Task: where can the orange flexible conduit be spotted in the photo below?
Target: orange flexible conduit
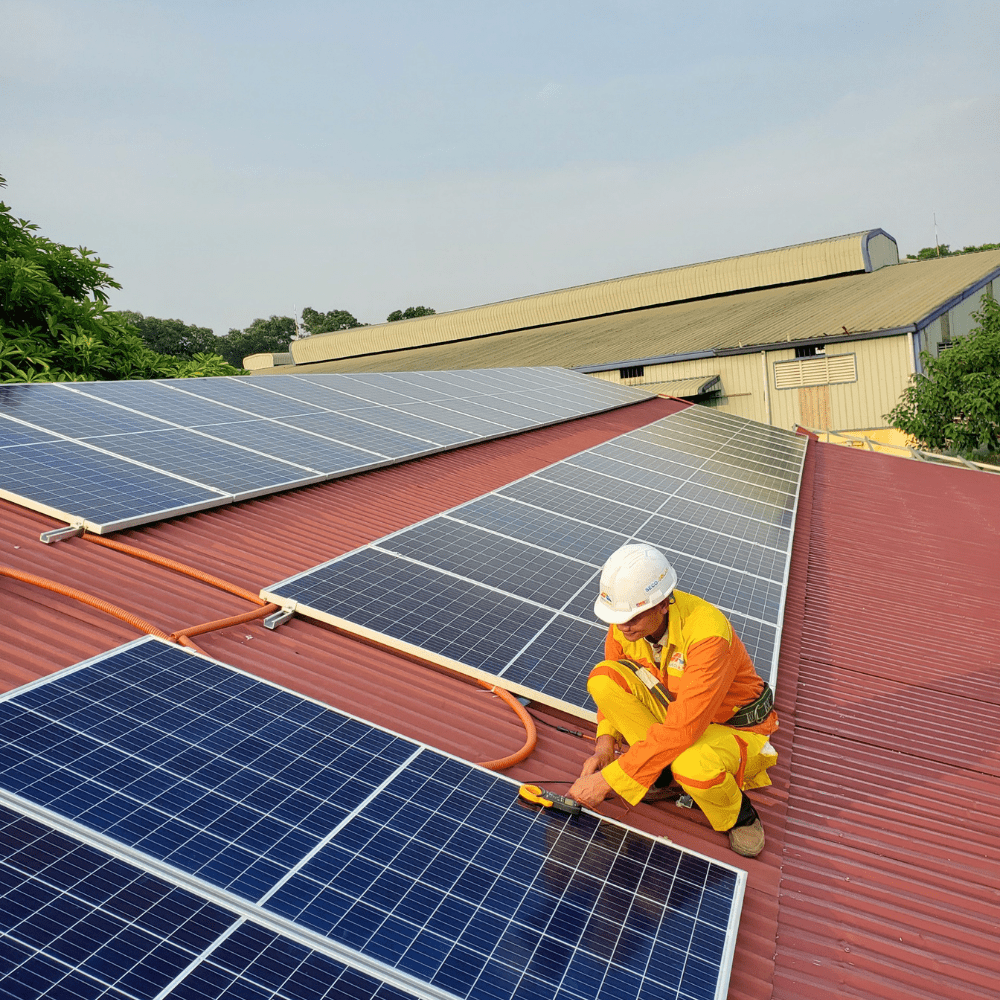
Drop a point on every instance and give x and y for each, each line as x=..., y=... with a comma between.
x=182, y=636
x=78, y=595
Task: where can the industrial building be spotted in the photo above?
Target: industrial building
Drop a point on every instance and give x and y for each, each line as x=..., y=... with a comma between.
x=823, y=335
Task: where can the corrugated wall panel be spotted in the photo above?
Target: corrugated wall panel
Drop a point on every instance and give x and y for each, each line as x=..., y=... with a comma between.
x=891, y=871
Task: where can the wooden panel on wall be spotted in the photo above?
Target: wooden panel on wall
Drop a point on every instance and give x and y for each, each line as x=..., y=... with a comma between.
x=814, y=406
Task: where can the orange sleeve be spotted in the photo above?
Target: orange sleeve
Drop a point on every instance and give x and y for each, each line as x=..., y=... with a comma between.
x=613, y=649
x=708, y=676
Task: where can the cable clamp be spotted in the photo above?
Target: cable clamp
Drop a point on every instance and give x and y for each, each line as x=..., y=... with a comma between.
x=272, y=621
x=58, y=534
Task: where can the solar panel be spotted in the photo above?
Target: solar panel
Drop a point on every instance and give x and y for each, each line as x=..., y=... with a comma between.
x=380, y=865
x=179, y=445
x=504, y=585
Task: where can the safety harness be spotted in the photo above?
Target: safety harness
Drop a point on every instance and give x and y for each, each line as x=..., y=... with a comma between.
x=749, y=715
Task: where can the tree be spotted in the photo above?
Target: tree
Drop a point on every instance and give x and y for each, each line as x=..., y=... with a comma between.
x=955, y=405
x=943, y=251
x=262, y=336
x=411, y=312
x=173, y=336
x=55, y=324
x=328, y=322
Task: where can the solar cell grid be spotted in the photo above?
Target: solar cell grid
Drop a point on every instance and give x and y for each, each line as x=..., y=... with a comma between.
x=663, y=531
x=361, y=433
x=472, y=418
x=440, y=873
x=406, y=422
x=243, y=394
x=728, y=588
x=73, y=415
x=627, y=474
x=156, y=399
x=77, y=922
x=14, y=434
x=654, y=458
x=235, y=470
x=550, y=530
x=737, y=505
x=754, y=472
x=600, y=485
x=486, y=900
x=103, y=488
x=495, y=560
x=577, y=504
x=269, y=437
x=742, y=488
x=210, y=773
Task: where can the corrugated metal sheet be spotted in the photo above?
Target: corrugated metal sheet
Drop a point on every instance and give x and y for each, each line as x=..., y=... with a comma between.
x=887, y=299
x=881, y=877
x=804, y=262
x=891, y=873
x=684, y=387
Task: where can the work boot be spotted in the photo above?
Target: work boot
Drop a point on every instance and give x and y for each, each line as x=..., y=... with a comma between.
x=664, y=789
x=746, y=836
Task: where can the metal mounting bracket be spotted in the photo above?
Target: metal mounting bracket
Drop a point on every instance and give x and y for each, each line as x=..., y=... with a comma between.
x=272, y=621
x=58, y=534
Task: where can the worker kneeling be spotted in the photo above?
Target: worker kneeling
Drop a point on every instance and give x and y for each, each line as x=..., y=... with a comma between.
x=680, y=688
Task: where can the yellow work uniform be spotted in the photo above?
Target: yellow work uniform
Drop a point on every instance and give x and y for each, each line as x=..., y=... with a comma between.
x=709, y=676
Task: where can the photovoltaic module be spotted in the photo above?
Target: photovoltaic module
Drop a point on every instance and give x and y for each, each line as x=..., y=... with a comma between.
x=503, y=586
x=112, y=455
x=172, y=827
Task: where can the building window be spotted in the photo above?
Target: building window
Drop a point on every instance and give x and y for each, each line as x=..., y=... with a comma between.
x=819, y=370
x=809, y=352
x=633, y=371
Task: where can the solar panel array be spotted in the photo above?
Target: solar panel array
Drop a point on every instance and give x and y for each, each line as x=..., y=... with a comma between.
x=505, y=585
x=117, y=454
x=171, y=827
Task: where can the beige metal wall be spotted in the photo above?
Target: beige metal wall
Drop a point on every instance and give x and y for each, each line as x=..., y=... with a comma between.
x=960, y=320
x=883, y=367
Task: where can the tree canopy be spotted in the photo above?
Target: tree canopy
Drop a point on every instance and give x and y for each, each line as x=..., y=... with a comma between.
x=954, y=406
x=410, y=312
x=173, y=336
x=262, y=336
x=943, y=250
x=55, y=324
x=328, y=322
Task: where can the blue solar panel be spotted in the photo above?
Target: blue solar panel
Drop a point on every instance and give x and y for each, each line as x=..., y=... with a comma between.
x=436, y=873
x=543, y=539
x=79, y=923
x=302, y=427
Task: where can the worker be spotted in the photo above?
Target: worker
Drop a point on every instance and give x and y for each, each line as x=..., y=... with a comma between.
x=678, y=686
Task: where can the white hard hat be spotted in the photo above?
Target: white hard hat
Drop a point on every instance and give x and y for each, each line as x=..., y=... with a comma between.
x=634, y=579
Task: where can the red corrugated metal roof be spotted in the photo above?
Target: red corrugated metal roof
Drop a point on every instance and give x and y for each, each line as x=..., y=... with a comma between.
x=881, y=816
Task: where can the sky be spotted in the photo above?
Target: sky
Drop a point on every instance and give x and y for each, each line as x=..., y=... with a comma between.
x=234, y=160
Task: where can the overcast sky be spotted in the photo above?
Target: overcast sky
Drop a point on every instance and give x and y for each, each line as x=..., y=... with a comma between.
x=240, y=159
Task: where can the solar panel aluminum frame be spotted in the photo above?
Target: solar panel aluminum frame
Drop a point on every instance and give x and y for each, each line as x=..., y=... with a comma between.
x=284, y=926
x=379, y=639
x=119, y=524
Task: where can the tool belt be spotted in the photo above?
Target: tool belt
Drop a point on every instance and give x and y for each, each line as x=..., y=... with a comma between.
x=749, y=715
x=757, y=711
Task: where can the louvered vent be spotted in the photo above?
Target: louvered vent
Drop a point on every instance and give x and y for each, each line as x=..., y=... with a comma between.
x=815, y=371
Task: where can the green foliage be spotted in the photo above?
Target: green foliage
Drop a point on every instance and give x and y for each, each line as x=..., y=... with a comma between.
x=943, y=251
x=955, y=405
x=411, y=312
x=55, y=324
x=328, y=322
x=262, y=336
x=172, y=336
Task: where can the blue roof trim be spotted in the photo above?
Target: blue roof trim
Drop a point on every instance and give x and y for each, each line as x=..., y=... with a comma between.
x=956, y=299
x=870, y=235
